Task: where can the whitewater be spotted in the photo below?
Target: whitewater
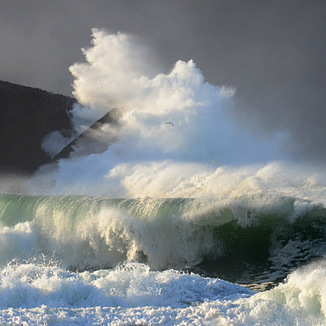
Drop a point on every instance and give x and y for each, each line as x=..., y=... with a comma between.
x=186, y=217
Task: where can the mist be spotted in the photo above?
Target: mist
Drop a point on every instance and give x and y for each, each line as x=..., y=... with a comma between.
x=272, y=53
x=175, y=131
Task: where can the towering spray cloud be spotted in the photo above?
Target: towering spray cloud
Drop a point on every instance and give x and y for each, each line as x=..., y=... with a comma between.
x=120, y=73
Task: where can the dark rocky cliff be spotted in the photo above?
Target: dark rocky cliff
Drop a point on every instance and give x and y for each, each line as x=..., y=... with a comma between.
x=27, y=115
x=90, y=141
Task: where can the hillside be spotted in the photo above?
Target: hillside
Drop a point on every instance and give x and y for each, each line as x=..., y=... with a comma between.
x=27, y=115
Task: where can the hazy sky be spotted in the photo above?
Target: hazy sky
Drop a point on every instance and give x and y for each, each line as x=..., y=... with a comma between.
x=273, y=52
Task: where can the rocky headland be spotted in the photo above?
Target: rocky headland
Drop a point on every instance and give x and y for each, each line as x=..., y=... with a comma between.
x=27, y=115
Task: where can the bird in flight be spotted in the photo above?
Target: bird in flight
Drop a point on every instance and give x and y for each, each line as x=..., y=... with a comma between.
x=169, y=123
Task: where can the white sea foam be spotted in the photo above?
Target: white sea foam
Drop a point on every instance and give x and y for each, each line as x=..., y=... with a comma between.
x=300, y=300
x=132, y=294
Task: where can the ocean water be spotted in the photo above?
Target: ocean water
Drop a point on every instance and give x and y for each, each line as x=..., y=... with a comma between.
x=88, y=260
x=199, y=222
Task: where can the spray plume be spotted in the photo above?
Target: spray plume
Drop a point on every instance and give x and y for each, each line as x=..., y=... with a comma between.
x=151, y=156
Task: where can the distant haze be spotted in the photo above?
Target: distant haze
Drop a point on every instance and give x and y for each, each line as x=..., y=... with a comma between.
x=272, y=52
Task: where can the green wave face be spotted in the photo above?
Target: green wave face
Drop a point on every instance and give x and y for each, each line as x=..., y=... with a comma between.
x=238, y=240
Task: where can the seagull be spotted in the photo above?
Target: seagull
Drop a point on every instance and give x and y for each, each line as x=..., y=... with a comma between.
x=169, y=123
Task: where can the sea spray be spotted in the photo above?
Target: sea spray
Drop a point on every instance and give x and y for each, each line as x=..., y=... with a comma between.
x=201, y=135
x=183, y=186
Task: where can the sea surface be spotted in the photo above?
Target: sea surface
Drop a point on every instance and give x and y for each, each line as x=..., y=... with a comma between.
x=187, y=216
x=80, y=260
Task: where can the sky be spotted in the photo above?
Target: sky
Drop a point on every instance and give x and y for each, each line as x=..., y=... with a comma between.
x=272, y=52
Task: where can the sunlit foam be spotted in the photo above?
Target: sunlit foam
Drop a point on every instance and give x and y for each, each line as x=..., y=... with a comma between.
x=174, y=119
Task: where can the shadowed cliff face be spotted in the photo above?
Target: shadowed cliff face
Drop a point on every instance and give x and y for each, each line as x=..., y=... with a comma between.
x=92, y=140
x=27, y=115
